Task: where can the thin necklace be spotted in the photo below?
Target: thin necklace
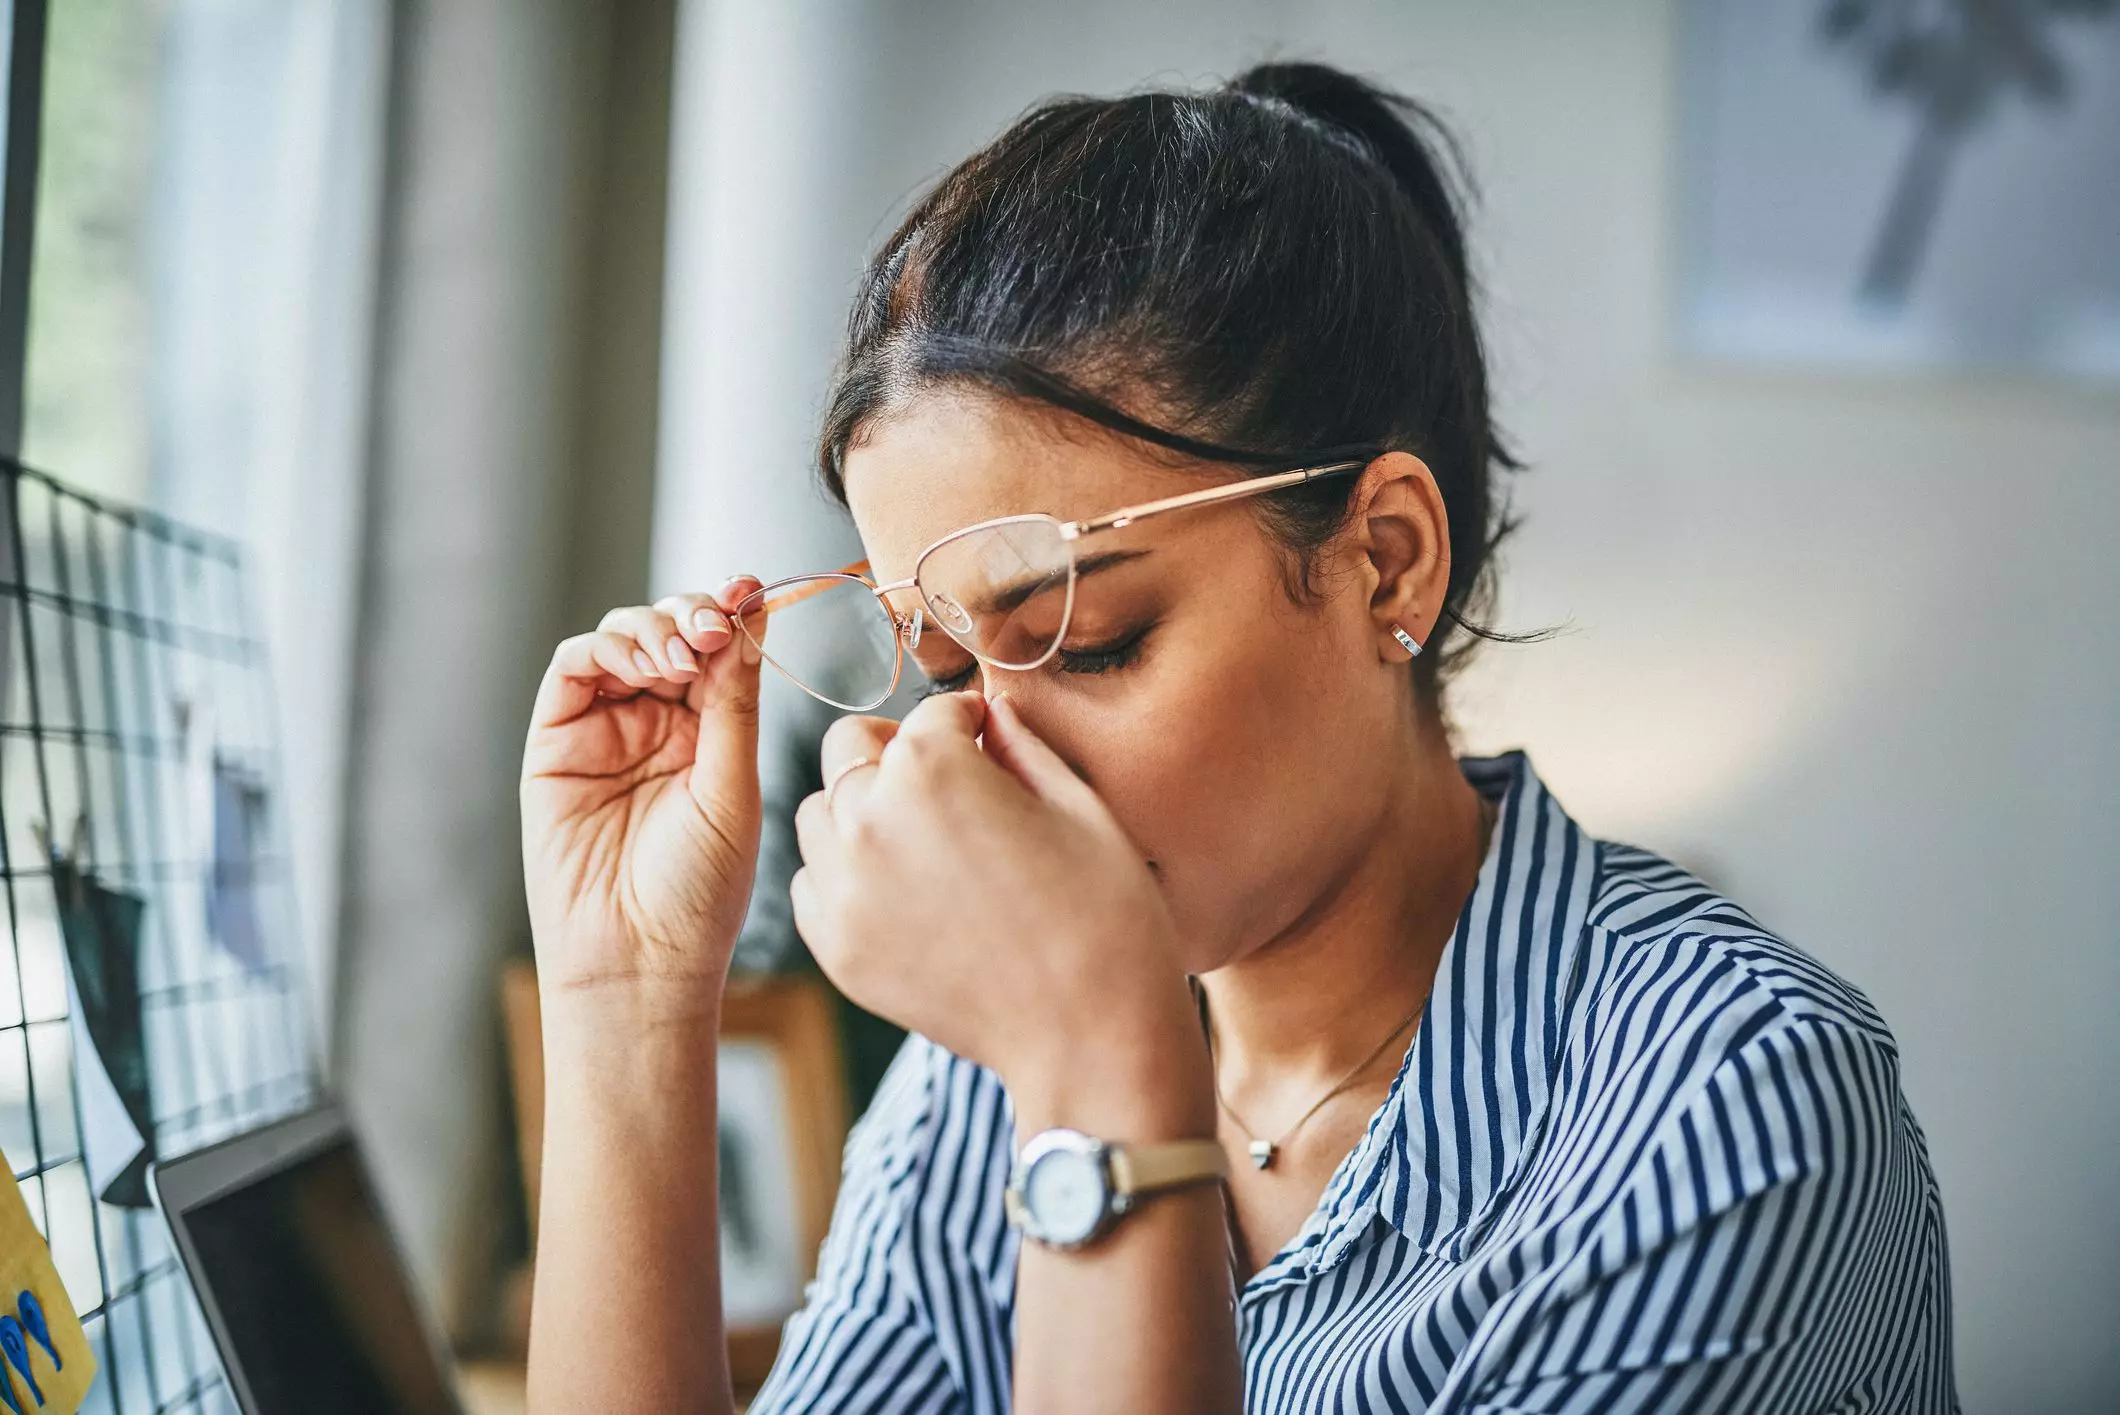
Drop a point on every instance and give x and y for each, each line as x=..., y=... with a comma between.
x=1263, y=1152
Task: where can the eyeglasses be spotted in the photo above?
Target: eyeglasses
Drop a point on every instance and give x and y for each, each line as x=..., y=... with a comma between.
x=1003, y=590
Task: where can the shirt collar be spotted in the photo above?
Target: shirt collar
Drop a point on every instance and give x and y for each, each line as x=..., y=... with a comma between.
x=1471, y=1093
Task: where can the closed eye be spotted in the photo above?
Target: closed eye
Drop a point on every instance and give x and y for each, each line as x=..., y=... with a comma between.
x=1103, y=658
x=953, y=683
x=1098, y=658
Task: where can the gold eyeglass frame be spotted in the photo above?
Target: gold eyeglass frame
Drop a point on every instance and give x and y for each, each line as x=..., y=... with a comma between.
x=906, y=628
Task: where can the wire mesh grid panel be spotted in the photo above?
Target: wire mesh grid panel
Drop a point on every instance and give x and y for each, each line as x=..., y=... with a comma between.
x=138, y=766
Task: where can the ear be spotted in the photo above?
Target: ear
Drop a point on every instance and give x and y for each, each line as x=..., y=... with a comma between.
x=1402, y=538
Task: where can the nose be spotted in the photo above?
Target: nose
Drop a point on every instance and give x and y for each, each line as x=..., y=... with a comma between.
x=1052, y=722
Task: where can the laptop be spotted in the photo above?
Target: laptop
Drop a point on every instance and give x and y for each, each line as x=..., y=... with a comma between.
x=304, y=1289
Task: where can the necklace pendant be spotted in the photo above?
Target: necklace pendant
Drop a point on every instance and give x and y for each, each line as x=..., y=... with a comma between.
x=1262, y=1152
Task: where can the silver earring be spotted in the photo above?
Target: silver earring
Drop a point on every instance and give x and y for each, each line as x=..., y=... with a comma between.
x=1406, y=641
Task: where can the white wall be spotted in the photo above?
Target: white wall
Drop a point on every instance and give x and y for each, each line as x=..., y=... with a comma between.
x=1846, y=646
x=270, y=144
x=467, y=557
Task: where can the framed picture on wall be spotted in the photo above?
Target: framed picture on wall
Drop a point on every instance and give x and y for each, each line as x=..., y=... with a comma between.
x=1902, y=183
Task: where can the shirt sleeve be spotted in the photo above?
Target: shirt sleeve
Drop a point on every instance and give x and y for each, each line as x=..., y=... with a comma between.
x=1758, y=1256
x=864, y=1341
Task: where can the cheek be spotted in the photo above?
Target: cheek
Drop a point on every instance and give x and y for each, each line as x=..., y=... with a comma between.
x=1235, y=771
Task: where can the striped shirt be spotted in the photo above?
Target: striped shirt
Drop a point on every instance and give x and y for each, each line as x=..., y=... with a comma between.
x=1641, y=1155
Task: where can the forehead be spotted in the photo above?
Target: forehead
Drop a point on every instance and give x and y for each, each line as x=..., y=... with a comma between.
x=948, y=460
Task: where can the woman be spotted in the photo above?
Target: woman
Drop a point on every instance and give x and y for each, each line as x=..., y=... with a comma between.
x=1177, y=850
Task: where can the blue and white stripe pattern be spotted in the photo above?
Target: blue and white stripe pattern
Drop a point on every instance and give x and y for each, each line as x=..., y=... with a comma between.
x=1641, y=1156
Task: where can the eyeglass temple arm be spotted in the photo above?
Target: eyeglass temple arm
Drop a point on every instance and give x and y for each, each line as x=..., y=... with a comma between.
x=1206, y=496
x=1125, y=515
x=811, y=587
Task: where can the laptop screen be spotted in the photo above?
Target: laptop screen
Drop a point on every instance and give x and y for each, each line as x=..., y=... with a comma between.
x=311, y=1293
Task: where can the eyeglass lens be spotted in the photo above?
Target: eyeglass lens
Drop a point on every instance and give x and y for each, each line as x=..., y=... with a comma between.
x=1003, y=591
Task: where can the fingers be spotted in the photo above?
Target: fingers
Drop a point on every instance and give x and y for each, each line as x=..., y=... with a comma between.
x=698, y=619
x=945, y=722
x=727, y=699
x=815, y=834
x=705, y=620
x=935, y=731
x=751, y=630
x=802, y=897
x=584, y=666
x=661, y=648
x=665, y=649
x=848, y=740
x=811, y=914
x=1025, y=755
x=678, y=631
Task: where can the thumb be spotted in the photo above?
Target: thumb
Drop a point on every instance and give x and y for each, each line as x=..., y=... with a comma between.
x=725, y=758
x=1025, y=756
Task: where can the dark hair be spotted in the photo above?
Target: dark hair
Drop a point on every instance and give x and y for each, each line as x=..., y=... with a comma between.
x=1267, y=274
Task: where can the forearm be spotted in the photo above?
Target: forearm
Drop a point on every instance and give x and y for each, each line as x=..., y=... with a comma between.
x=626, y=1309
x=1143, y=1318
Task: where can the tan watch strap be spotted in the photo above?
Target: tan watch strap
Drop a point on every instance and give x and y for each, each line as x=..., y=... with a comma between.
x=1145, y=1169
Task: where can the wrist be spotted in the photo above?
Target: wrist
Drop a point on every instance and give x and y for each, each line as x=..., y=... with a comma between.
x=1146, y=1082
x=649, y=998
x=629, y=1040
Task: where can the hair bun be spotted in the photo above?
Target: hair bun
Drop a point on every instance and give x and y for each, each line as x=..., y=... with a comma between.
x=1404, y=137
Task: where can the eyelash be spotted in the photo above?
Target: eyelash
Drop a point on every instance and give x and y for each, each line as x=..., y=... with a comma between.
x=1105, y=658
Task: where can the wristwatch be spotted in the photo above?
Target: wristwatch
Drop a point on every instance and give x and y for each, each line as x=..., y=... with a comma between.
x=1067, y=1188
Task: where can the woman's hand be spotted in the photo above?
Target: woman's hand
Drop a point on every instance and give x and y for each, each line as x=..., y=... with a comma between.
x=988, y=900
x=640, y=798
x=640, y=840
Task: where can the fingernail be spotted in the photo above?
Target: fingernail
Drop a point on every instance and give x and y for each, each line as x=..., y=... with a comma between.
x=706, y=621
x=679, y=653
x=641, y=661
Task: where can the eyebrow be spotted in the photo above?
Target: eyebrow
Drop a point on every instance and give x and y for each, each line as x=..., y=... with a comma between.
x=1012, y=596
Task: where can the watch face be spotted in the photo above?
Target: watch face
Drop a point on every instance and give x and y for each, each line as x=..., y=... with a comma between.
x=1065, y=1194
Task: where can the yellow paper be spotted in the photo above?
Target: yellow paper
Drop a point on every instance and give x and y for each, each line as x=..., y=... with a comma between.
x=26, y=1266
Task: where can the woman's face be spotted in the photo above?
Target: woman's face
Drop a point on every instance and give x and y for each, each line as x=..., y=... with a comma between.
x=1240, y=738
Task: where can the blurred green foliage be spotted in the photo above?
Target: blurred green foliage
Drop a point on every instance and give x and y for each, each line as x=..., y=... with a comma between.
x=85, y=410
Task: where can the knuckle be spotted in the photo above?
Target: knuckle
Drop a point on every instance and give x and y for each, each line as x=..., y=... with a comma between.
x=618, y=646
x=741, y=707
x=919, y=748
x=809, y=817
x=859, y=825
x=802, y=905
x=641, y=624
x=843, y=733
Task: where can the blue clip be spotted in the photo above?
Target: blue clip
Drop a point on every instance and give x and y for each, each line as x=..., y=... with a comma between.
x=16, y=1349
x=33, y=1322
x=7, y=1391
